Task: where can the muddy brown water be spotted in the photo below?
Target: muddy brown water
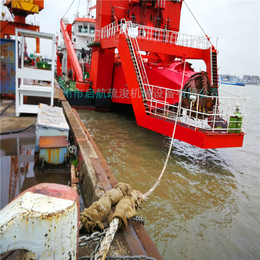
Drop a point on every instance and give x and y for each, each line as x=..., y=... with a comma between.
x=207, y=204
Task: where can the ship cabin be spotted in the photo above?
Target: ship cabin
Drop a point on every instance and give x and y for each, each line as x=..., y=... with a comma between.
x=83, y=34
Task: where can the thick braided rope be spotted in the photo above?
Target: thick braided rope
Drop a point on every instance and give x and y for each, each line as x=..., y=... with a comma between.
x=107, y=240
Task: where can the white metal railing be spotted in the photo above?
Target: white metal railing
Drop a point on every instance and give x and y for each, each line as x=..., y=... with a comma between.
x=156, y=34
x=145, y=88
x=160, y=3
x=226, y=115
x=109, y=30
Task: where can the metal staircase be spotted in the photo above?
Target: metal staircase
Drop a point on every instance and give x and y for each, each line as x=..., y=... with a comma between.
x=214, y=68
x=140, y=71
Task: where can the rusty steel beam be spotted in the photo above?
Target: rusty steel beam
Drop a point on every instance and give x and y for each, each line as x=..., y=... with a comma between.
x=102, y=160
x=133, y=241
x=101, y=174
x=74, y=179
x=146, y=240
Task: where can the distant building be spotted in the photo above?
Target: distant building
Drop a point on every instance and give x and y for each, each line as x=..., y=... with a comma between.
x=255, y=79
x=247, y=79
x=229, y=78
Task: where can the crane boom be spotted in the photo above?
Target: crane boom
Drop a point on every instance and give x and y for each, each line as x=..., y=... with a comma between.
x=71, y=53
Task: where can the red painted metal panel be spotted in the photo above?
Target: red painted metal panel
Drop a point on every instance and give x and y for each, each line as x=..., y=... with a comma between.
x=82, y=87
x=189, y=135
x=131, y=81
x=168, y=16
x=183, y=133
x=120, y=92
x=54, y=190
x=161, y=52
x=101, y=71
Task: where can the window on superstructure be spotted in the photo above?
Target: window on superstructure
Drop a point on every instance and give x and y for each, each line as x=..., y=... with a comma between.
x=80, y=28
x=85, y=29
x=92, y=29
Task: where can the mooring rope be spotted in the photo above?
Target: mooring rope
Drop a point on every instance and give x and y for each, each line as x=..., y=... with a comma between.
x=148, y=193
x=113, y=226
x=107, y=240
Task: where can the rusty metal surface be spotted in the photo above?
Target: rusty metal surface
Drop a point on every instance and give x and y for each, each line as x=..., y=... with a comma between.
x=73, y=179
x=102, y=161
x=54, y=156
x=52, y=142
x=101, y=174
x=118, y=247
x=133, y=241
x=87, y=176
x=146, y=240
x=35, y=221
x=14, y=255
x=53, y=149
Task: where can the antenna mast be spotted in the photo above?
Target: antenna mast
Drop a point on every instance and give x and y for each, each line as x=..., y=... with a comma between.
x=89, y=3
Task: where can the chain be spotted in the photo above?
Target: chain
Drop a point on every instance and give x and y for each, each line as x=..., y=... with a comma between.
x=72, y=149
x=97, y=237
x=137, y=219
x=94, y=237
x=127, y=257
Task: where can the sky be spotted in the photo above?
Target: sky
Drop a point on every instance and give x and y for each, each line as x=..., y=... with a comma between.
x=232, y=25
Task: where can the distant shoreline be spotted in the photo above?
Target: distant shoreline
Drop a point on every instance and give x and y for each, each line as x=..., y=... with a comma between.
x=240, y=84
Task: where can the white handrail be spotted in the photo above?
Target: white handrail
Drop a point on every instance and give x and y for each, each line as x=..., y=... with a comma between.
x=141, y=68
x=223, y=118
x=157, y=34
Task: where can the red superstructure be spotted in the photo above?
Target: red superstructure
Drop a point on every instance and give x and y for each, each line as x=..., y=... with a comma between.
x=150, y=71
x=20, y=10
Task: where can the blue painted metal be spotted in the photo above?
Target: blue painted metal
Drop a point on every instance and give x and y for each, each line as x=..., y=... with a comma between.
x=7, y=69
x=53, y=149
x=54, y=155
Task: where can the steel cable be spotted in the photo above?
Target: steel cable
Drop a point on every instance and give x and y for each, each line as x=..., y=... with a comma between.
x=68, y=9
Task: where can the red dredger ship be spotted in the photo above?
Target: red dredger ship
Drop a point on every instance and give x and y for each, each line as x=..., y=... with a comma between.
x=139, y=57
